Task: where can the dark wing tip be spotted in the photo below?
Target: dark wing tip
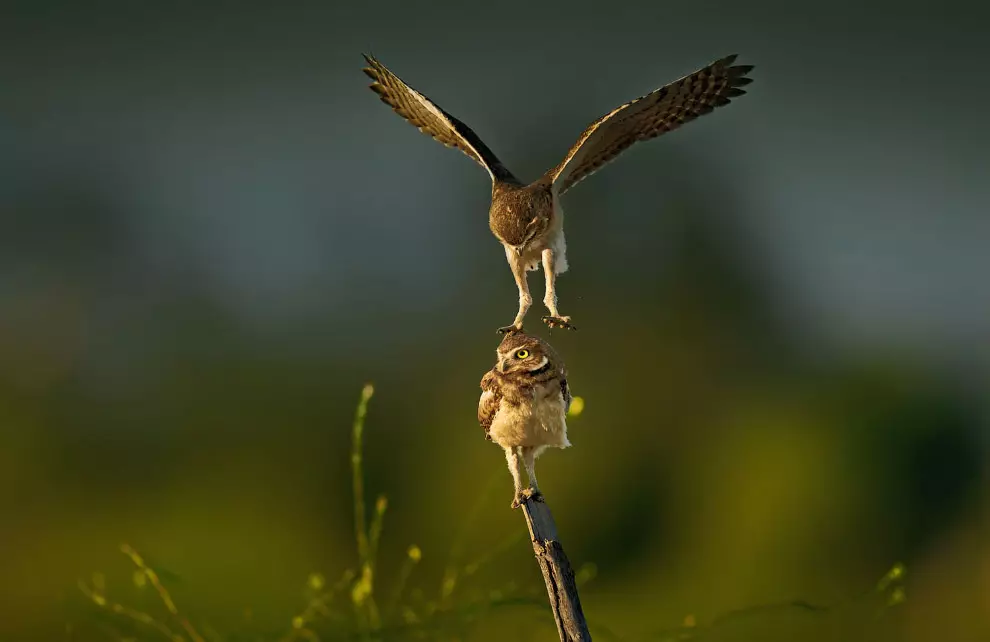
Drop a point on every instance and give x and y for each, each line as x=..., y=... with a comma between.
x=373, y=70
x=737, y=75
x=728, y=60
x=373, y=63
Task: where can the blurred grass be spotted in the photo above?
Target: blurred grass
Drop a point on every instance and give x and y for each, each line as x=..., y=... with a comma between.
x=348, y=608
x=344, y=610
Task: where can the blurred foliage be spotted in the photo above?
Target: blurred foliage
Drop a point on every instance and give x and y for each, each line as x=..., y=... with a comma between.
x=348, y=609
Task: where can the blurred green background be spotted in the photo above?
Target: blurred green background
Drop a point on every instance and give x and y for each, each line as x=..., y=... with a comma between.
x=213, y=235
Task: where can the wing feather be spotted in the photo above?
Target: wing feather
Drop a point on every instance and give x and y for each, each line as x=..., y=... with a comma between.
x=430, y=119
x=649, y=116
x=488, y=405
x=565, y=394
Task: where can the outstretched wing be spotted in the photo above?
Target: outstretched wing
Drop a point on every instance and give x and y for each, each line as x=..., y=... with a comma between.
x=649, y=116
x=430, y=119
x=491, y=397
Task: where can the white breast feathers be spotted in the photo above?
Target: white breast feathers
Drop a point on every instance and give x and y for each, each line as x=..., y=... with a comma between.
x=539, y=422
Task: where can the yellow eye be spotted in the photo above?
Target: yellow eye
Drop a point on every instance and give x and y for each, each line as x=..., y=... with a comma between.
x=522, y=354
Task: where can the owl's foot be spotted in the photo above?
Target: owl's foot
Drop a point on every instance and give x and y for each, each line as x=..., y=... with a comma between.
x=525, y=495
x=559, y=322
x=509, y=329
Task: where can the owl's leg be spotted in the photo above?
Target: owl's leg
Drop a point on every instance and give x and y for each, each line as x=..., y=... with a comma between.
x=554, y=320
x=529, y=455
x=525, y=300
x=515, y=468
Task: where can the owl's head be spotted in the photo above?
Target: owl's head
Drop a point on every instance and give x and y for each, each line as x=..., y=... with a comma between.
x=522, y=353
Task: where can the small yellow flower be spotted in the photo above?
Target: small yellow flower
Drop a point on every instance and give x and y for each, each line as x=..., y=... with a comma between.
x=381, y=504
x=897, y=596
x=364, y=587
x=298, y=622
x=577, y=407
x=896, y=573
x=414, y=553
x=316, y=581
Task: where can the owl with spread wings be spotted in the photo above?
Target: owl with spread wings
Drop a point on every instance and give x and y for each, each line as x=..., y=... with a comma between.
x=528, y=219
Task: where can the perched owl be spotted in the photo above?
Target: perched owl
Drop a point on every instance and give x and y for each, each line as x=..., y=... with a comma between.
x=528, y=219
x=523, y=405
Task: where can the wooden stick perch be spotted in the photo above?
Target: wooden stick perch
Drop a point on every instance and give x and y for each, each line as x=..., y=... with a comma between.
x=557, y=573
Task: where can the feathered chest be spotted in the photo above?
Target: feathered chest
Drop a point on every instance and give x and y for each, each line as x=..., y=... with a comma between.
x=525, y=415
x=521, y=216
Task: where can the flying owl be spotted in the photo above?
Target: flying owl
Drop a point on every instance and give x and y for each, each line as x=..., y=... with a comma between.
x=528, y=219
x=523, y=406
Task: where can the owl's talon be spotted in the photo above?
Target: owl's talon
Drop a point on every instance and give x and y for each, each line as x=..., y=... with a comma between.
x=559, y=322
x=509, y=329
x=525, y=495
x=533, y=494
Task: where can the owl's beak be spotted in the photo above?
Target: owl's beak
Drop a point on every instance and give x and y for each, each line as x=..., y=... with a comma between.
x=501, y=366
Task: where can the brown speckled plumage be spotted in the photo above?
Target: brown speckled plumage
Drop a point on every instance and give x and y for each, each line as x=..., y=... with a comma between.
x=527, y=219
x=649, y=116
x=430, y=119
x=519, y=214
x=488, y=405
x=524, y=402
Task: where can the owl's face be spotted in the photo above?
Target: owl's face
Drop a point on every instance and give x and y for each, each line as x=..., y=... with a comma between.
x=522, y=353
